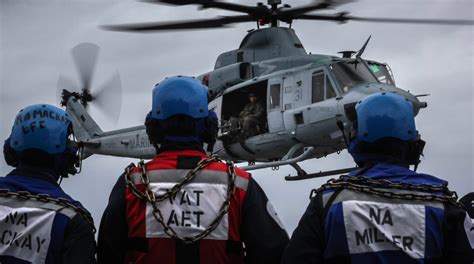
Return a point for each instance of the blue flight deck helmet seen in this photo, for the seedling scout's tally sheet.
(385, 115)
(179, 95)
(41, 127)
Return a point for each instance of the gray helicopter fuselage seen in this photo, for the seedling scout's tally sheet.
(297, 118)
(304, 96)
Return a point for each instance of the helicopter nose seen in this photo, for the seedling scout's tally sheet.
(357, 94)
(417, 104)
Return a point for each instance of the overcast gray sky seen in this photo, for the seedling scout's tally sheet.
(36, 37)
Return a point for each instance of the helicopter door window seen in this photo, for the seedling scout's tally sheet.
(274, 97)
(317, 94)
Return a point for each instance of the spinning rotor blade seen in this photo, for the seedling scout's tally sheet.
(312, 7)
(212, 4)
(343, 17)
(65, 83)
(108, 97)
(453, 22)
(186, 24)
(85, 57)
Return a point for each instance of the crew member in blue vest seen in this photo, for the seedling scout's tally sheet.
(39, 222)
(384, 212)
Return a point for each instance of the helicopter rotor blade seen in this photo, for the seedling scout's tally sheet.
(326, 4)
(108, 97)
(344, 17)
(448, 22)
(251, 10)
(175, 3)
(85, 57)
(181, 24)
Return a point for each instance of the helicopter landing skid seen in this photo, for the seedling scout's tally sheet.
(307, 152)
(319, 174)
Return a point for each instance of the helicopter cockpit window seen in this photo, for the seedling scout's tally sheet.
(274, 96)
(351, 73)
(330, 92)
(322, 87)
(381, 71)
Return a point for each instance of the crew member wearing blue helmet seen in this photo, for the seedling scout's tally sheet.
(383, 212)
(39, 222)
(184, 206)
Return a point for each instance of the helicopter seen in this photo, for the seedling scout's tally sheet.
(308, 99)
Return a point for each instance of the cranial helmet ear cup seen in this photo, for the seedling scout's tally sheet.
(66, 163)
(155, 131)
(9, 154)
(415, 151)
(209, 135)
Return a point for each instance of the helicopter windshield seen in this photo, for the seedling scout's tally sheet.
(382, 72)
(351, 73)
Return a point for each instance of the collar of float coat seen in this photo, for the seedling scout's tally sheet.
(398, 173)
(39, 173)
(180, 146)
(37, 181)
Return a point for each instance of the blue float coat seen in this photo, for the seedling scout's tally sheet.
(71, 239)
(348, 226)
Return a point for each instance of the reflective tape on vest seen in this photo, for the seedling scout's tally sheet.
(378, 224)
(17, 203)
(346, 195)
(25, 232)
(190, 212)
(375, 227)
(202, 176)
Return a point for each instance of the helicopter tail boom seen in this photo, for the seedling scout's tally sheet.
(85, 128)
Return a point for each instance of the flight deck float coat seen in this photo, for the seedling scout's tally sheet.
(353, 227)
(251, 220)
(41, 232)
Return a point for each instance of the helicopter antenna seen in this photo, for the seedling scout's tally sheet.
(361, 51)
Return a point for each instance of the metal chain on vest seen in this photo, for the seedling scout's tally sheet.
(379, 187)
(25, 195)
(149, 196)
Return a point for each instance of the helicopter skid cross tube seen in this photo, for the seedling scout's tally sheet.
(319, 174)
(305, 155)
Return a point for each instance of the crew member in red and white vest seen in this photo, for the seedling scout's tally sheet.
(184, 206)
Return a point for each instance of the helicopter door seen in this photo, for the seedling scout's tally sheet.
(274, 108)
(323, 97)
